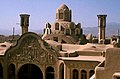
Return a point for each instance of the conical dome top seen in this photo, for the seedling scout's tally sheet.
(63, 6)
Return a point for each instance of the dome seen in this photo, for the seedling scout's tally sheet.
(89, 36)
(63, 6)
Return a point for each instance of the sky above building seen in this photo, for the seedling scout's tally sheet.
(42, 11)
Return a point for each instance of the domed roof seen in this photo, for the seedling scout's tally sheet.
(89, 36)
(63, 6)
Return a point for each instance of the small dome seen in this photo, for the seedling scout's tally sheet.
(63, 6)
(89, 36)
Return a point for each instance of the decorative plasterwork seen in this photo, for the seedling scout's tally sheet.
(30, 50)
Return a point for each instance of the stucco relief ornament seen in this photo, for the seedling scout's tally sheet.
(38, 56)
(42, 54)
(30, 51)
(28, 55)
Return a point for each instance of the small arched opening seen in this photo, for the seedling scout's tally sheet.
(83, 74)
(62, 29)
(50, 73)
(61, 14)
(61, 71)
(91, 72)
(77, 32)
(11, 71)
(75, 74)
(57, 26)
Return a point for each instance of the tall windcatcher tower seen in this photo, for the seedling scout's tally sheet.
(24, 22)
(101, 28)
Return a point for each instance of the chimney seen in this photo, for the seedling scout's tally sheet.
(24, 22)
(101, 28)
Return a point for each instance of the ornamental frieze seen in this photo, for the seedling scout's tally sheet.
(30, 50)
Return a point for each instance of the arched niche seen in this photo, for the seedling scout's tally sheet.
(11, 71)
(77, 31)
(56, 26)
(91, 72)
(49, 73)
(61, 71)
(83, 74)
(75, 74)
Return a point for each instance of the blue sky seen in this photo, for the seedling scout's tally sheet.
(42, 11)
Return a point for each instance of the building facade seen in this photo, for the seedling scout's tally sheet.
(54, 56)
(32, 57)
(109, 68)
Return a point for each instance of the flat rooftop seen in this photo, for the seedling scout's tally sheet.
(84, 58)
(3, 47)
(87, 47)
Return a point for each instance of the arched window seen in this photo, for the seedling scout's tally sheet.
(91, 72)
(1, 71)
(61, 71)
(61, 14)
(75, 74)
(48, 31)
(83, 74)
(66, 13)
(50, 73)
(11, 72)
(57, 26)
(62, 29)
(77, 32)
